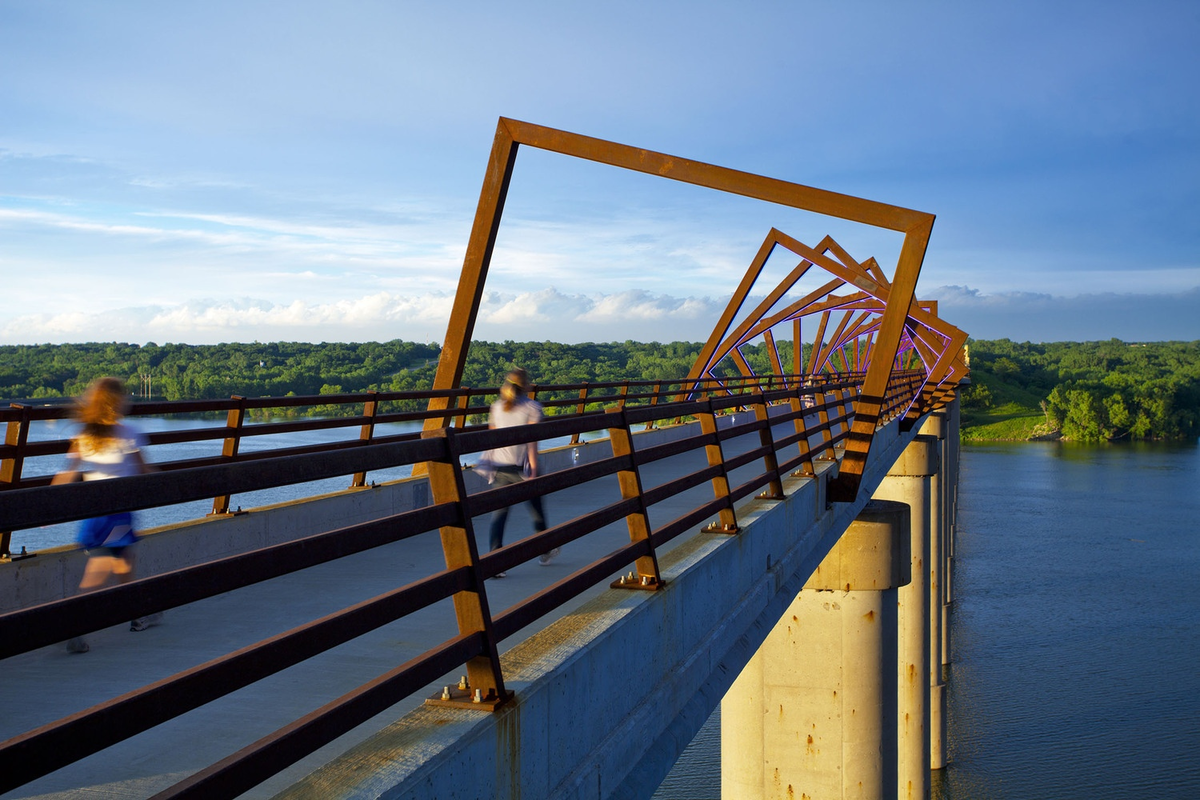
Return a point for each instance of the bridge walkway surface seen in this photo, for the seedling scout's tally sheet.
(48, 684)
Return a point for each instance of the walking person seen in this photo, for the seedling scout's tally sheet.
(105, 448)
(515, 462)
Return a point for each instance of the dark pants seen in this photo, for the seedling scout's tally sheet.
(506, 476)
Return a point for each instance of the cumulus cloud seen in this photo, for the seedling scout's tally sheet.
(550, 314)
(543, 315)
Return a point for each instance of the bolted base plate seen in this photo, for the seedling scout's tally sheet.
(650, 584)
(464, 698)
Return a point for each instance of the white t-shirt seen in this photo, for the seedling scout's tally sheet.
(523, 412)
(114, 458)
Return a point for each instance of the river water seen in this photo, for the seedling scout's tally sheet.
(1074, 634)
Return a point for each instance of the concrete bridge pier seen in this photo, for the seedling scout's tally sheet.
(813, 713)
(935, 426)
(950, 474)
(911, 481)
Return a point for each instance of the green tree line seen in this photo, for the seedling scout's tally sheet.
(1084, 391)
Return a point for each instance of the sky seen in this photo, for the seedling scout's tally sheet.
(251, 171)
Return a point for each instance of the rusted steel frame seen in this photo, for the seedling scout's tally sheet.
(741, 363)
(27, 629)
(797, 351)
(460, 550)
(803, 307)
(818, 344)
(854, 460)
(704, 360)
(875, 271)
(510, 133)
(229, 451)
(733, 340)
(918, 238)
(630, 482)
(476, 262)
(370, 408)
(558, 593)
(723, 179)
(24, 508)
(49, 747)
(270, 755)
(828, 348)
(720, 484)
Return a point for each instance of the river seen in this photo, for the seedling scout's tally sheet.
(1074, 635)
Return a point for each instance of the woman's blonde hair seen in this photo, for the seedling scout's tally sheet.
(515, 386)
(100, 409)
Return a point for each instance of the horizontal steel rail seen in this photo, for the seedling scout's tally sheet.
(460, 579)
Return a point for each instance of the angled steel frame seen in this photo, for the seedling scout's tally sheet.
(511, 134)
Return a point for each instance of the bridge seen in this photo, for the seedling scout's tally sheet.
(779, 540)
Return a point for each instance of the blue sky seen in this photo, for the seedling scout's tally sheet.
(207, 172)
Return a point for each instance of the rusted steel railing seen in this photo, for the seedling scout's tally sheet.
(790, 427)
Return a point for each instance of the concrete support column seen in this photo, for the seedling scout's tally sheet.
(935, 426)
(909, 481)
(813, 713)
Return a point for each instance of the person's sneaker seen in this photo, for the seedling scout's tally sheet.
(77, 645)
(141, 623)
(546, 558)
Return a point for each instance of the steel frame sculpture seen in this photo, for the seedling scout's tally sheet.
(890, 331)
(928, 343)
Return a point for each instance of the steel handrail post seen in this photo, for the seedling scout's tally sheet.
(654, 402)
(484, 674)
(367, 433)
(727, 518)
(229, 450)
(826, 448)
(16, 434)
(580, 407)
(766, 437)
(630, 481)
(796, 401)
(462, 404)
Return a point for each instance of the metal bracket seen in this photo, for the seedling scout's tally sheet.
(462, 696)
(646, 583)
(716, 527)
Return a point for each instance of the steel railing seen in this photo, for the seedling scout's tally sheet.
(791, 426)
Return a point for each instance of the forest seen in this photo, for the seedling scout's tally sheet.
(1082, 391)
